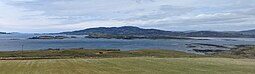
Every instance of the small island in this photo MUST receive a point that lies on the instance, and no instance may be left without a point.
(49, 37)
(4, 33)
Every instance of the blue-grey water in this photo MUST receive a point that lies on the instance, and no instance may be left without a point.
(12, 42)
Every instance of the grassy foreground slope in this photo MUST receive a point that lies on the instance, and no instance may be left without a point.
(129, 66)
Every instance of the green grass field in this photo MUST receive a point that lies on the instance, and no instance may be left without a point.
(141, 65)
(113, 61)
(94, 53)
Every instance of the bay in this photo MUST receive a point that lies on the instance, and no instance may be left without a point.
(13, 42)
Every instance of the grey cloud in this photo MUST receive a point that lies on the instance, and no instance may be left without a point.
(250, 12)
(233, 20)
(162, 14)
(164, 11)
(141, 1)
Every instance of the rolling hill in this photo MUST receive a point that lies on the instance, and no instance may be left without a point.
(248, 32)
(215, 34)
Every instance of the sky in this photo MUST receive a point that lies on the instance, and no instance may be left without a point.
(41, 16)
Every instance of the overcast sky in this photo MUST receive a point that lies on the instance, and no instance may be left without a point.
(173, 15)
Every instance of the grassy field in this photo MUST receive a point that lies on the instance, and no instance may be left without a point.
(141, 65)
(114, 61)
(93, 53)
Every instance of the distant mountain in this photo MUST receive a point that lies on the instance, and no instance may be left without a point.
(189, 31)
(136, 31)
(215, 34)
(248, 32)
(125, 30)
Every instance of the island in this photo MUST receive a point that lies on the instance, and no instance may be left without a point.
(49, 37)
(109, 36)
(4, 33)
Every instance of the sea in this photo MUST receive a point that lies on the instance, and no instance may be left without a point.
(13, 42)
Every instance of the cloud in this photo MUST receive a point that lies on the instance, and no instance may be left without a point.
(66, 15)
(13, 18)
(164, 11)
(212, 21)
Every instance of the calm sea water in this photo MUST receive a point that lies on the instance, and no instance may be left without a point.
(13, 42)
